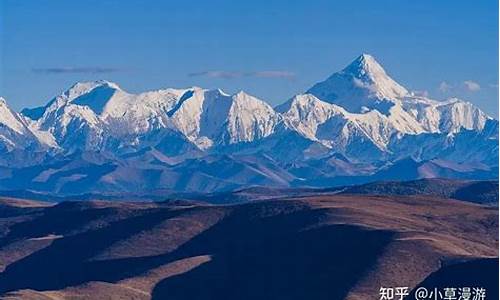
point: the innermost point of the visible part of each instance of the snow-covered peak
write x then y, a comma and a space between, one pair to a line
85, 86
80, 88
305, 113
457, 114
246, 104
306, 102
91, 94
449, 116
249, 119
370, 72
365, 65
11, 119
361, 86
364, 86
242, 97
210, 117
14, 131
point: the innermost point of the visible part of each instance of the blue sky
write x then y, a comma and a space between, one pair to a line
271, 49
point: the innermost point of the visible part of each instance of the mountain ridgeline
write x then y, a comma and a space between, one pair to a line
358, 125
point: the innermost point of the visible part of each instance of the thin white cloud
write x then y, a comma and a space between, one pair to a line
231, 75
444, 87
472, 86
66, 70
217, 74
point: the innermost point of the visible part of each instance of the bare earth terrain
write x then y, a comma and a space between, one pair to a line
305, 247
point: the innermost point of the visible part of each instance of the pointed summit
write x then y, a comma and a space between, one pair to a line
14, 132
93, 94
9, 118
364, 65
81, 88
362, 85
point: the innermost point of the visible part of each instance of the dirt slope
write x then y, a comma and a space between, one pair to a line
320, 247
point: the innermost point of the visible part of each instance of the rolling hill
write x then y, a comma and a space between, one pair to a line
311, 246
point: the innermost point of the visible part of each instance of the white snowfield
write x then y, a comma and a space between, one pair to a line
359, 113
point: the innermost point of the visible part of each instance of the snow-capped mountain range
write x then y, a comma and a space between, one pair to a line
357, 125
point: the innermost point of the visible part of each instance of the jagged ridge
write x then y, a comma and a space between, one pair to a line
359, 114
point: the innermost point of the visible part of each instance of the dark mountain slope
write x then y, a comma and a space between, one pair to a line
273, 249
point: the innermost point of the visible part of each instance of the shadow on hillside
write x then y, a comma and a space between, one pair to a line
60, 219
276, 258
479, 273
321, 263
65, 261
260, 251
